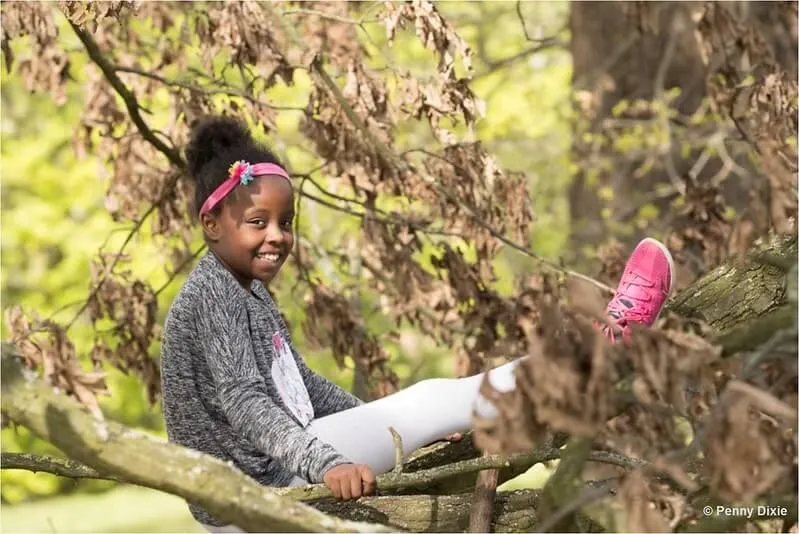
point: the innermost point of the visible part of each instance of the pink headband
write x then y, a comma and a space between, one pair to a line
240, 172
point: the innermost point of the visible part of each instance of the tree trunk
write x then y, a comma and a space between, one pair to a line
626, 51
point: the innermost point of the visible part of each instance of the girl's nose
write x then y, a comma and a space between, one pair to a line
274, 234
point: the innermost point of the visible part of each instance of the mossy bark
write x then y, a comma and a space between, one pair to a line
513, 512
744, 301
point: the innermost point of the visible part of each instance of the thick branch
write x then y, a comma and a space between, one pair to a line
513, 512
743, 301
391, 482
109, 447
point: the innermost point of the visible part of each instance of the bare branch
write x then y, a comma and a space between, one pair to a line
485, 492
399, 454
229, 91
54, 466
131, 103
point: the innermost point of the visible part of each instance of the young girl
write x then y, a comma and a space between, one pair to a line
235, 388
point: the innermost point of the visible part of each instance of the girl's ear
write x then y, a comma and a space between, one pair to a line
210, 226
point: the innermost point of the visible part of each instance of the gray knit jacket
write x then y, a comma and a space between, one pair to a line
219, 393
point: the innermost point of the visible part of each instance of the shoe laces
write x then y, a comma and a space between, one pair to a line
630, 302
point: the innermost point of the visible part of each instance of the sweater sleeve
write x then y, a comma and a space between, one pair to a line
245, 400
326, 397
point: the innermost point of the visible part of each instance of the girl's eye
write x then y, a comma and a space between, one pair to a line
260, 223
286, 224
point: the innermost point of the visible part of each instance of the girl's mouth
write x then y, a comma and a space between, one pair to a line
270, 258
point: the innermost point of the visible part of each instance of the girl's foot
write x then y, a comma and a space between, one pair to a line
643, 290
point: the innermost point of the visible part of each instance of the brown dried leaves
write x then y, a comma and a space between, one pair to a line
325, 30
44, 345
747, 454
331, 322
699, 236
244, 30
46, 68
132, 306
473, 194
353, 151
448, 96
433, 30
575, 381
90, 14
747, 85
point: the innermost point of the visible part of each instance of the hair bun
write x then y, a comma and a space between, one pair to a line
211, 137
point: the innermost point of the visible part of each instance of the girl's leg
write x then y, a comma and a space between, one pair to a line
425, 412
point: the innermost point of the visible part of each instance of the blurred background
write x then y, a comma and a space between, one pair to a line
600, 169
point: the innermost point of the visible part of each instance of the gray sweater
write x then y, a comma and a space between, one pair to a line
227, 371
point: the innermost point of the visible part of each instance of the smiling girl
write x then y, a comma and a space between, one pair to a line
235, 388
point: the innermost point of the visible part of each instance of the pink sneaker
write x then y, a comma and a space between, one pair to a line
644, 287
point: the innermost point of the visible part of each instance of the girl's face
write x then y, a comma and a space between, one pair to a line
252, 235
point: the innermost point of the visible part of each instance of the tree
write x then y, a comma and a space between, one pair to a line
641, 155
428, 216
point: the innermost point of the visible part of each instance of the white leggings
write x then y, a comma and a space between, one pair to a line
423, 413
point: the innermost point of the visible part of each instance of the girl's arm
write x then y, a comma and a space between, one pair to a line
244, 398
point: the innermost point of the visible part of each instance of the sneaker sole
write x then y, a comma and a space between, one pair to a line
666, 253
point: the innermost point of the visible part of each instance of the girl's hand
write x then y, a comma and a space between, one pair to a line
457, 436
350, 481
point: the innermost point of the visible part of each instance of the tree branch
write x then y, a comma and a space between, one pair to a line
485, 492
385, 483
229, 91
55, 466
106, 446
131, 103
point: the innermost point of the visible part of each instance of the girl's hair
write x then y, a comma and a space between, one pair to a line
216, 143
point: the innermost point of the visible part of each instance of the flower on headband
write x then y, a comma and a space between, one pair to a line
242, 171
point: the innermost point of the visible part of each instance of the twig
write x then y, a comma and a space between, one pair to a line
127, 96
328, 16
389, 220
230, 91
521, 19
485, 492
399, 454
764, 400
180, 268
586, 496
52, 465
108, 270
493, 66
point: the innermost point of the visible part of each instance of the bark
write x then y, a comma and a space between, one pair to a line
483, 501
513, 512
744, 301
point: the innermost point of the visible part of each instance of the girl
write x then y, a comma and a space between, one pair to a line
235, 388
